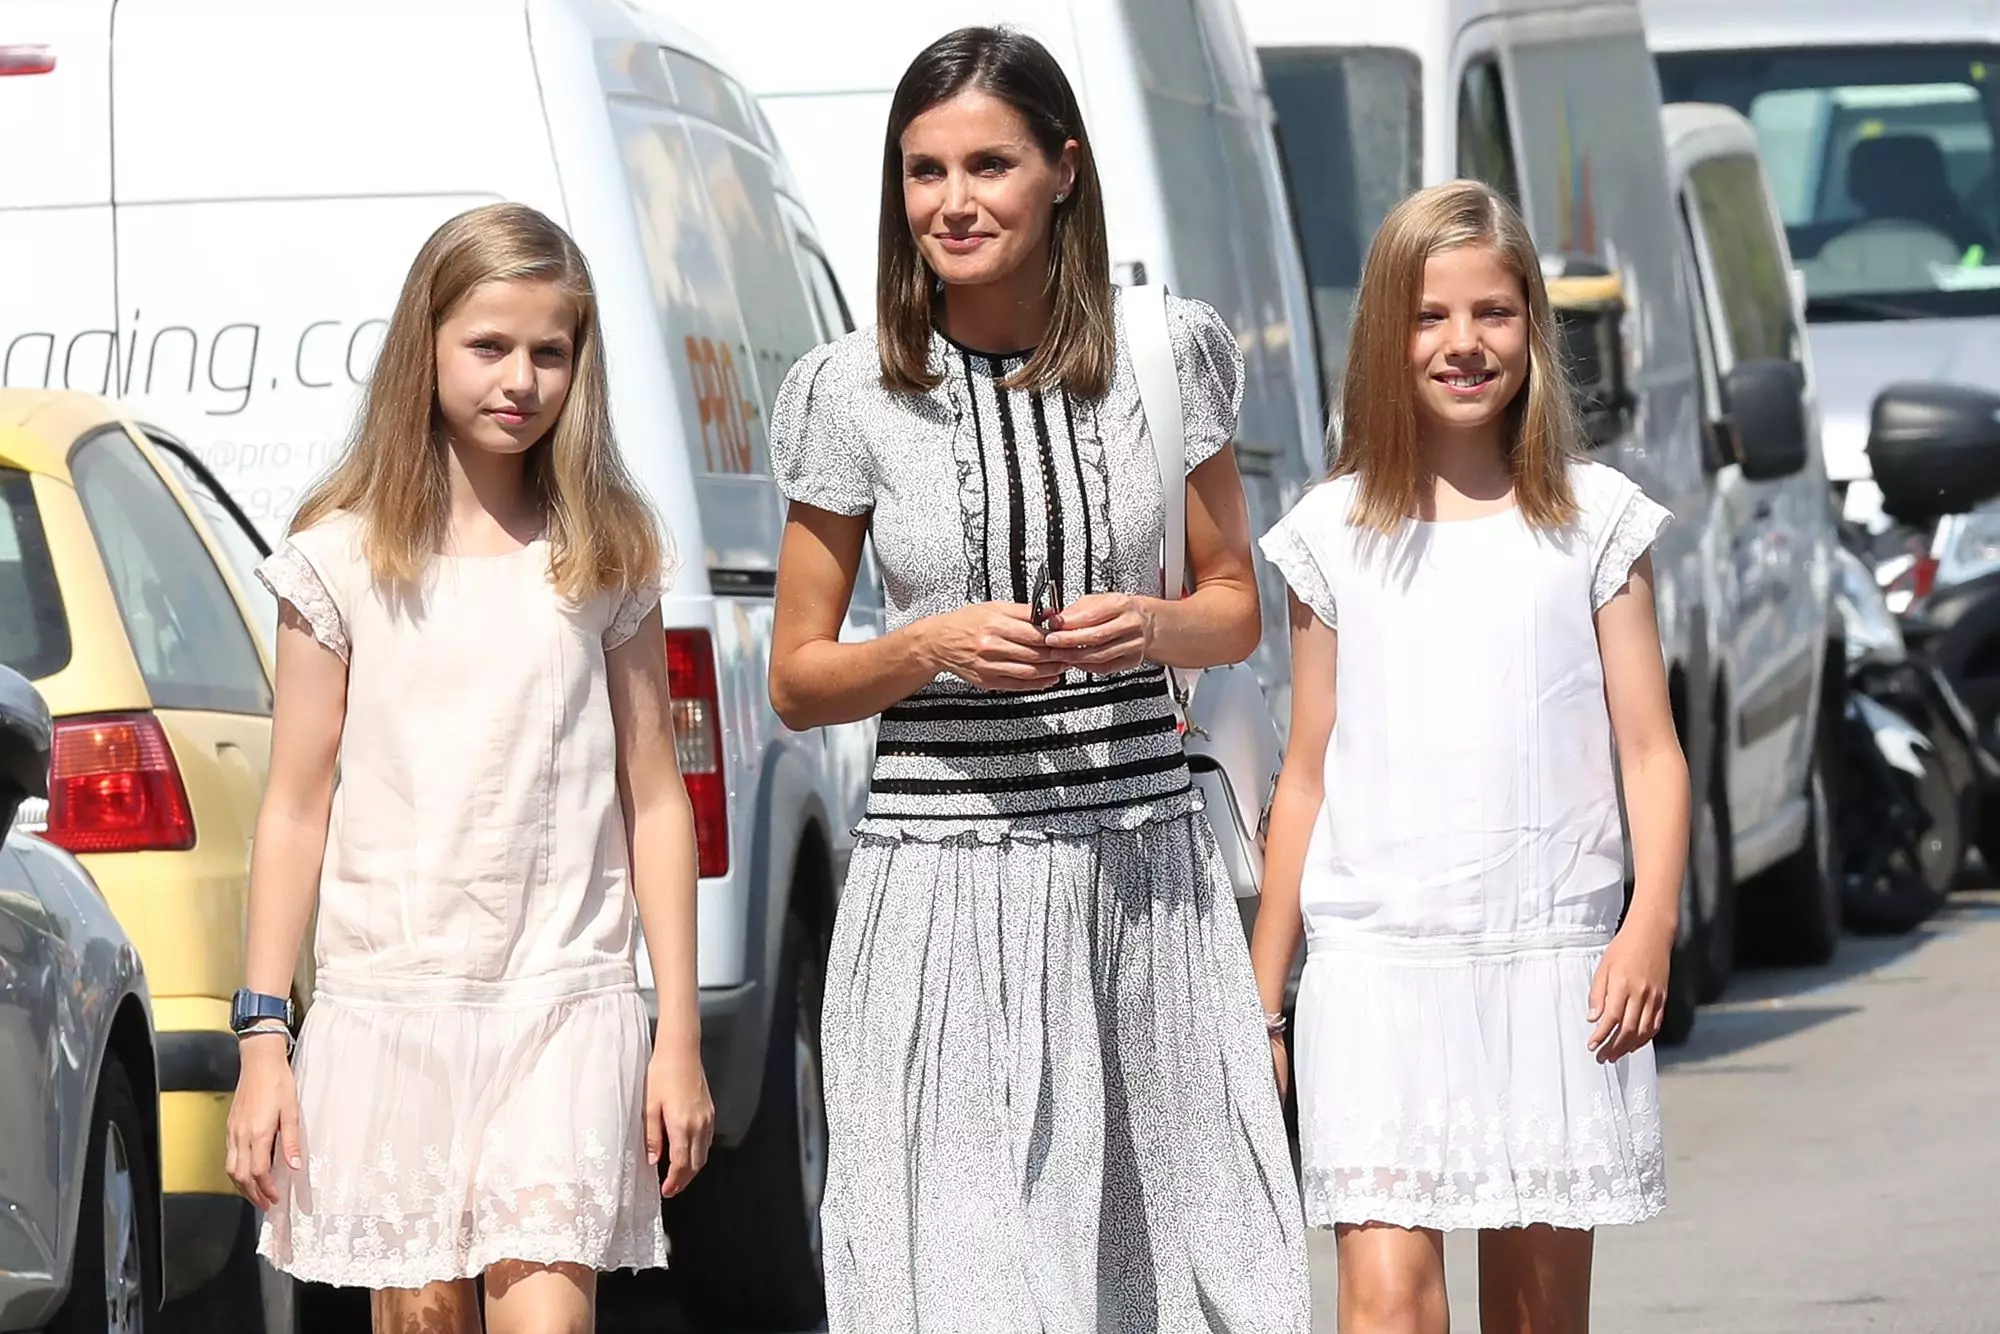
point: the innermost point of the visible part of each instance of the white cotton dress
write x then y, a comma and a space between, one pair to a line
471, 1073
1466, 873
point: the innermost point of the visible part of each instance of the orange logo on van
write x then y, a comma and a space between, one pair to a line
725, 413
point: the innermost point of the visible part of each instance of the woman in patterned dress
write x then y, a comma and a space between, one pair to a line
1048, 1094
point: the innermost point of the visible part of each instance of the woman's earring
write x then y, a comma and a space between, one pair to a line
1061, 195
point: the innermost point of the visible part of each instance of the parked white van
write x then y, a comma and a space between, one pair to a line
218, 233
1880, 127
1556, 103
1182, 134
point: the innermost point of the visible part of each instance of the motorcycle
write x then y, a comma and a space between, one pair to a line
1898, 803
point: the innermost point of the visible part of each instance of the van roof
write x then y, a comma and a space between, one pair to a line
1317, 23
1696, 131
1729, 25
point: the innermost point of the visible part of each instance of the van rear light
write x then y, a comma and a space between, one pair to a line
27, 60
114, 787
697, 717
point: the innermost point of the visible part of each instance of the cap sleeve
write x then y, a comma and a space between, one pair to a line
1631, 522
304, 572
635, 602
1210, 366
1296, 546
819, 456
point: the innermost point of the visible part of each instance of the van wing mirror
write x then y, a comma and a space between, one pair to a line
1766, 424
1934, 449
26, 734
1589, 307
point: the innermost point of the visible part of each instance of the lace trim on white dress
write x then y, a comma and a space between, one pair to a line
1638, 523
1284, 548
292, 578
641, 599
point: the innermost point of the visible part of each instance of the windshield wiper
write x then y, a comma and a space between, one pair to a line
1867, 307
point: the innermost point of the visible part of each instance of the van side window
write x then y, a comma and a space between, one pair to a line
1748, 269
828, 302
1485, 140
34, 635
187, 632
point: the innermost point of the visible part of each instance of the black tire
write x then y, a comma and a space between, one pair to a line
114, 1283
1954, 810
1908, 887
1791, 914
746, 1231
235, 1301
1713, 859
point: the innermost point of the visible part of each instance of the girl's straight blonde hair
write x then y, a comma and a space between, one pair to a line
393, 477
1378, 426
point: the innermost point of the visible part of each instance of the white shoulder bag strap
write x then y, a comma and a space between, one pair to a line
1152, 350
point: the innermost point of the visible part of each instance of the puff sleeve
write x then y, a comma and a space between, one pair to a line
1210, 366
1628, 525
819, 455
305, 571
1297, 546
635, 602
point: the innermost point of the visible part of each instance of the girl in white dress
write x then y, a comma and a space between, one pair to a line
1472, 630
471, 634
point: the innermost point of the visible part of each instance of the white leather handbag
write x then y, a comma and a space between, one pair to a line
1231, 739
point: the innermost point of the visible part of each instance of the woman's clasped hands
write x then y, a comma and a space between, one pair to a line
1000, 645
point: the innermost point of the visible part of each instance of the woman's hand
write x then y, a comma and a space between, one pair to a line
680, 1116
1104, 633
1628, 996
263, 1119
994, 646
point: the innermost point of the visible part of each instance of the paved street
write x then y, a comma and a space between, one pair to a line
1835, 1141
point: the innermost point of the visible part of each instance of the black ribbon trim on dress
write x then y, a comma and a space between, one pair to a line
1052, 501
985, 473
1082, 502
1145, 683
1028, 745
1017, 500
1041, 812
995, 785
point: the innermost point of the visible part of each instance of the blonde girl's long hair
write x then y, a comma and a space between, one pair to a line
393, 477
1378, 426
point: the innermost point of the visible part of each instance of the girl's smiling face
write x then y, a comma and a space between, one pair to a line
1469, 343
505, 356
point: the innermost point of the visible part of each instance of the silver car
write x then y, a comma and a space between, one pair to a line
79, 1096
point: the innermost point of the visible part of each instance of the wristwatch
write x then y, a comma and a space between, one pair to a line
254, 1007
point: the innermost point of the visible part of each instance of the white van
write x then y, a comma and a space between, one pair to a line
1556, 103
212, 221
1181, 130
1880, 126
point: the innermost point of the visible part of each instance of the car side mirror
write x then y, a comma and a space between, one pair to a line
1766, 425
1934, 449
1589, 308
26, 733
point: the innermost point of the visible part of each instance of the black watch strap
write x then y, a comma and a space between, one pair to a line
254, 1007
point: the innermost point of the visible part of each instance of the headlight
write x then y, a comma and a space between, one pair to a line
1872, 631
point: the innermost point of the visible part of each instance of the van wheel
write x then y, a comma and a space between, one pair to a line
1792, 913
750, 1252
114, 1278
247, 1297
1710, 852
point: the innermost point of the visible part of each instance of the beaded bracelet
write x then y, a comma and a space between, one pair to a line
267, 1026
1274, 1024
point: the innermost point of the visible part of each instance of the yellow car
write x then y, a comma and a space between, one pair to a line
126, 597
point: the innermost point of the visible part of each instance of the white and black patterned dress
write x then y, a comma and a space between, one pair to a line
1048, 1088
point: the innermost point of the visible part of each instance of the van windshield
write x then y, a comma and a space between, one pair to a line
1883, 161
1350, 124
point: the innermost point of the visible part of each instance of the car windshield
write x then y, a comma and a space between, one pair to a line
1883, 161
1350, 125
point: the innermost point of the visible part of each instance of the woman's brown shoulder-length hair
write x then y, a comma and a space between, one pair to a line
1080, 348
394, 479
1378, 414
